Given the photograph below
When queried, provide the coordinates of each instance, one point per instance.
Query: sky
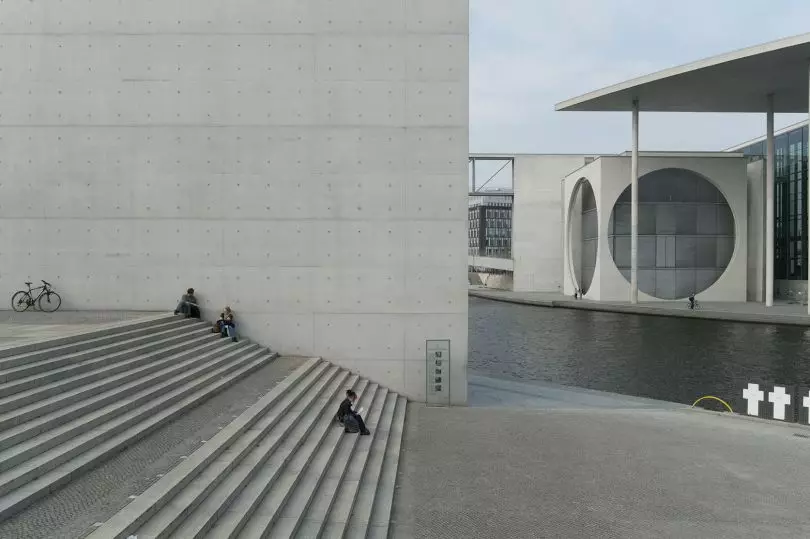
(527, 55)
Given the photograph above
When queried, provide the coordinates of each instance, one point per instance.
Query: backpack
(350, 424)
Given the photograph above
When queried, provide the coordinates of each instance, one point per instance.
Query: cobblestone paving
(472, 473)
(71, 511)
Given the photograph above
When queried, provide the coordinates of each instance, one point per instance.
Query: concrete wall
(756, 231)
(304, 161)
(609, 176)
(537, 228)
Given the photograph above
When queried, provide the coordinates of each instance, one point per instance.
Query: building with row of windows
(729, 225)
(790, 193)
(489, 230)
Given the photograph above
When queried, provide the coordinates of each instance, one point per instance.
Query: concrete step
(121, 349)
(80, 338)
(45, 472)
(237, 481)
(333, 507)
(33, 437)
(378, 492)
(72, 388)
(270, 409)
(260, 504)
(314, 495)
(283, 469)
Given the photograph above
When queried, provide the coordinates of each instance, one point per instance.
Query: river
(673, 359)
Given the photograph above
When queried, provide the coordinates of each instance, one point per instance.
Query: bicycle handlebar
(46, 283)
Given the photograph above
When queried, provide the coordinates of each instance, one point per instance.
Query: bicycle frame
(42, 290)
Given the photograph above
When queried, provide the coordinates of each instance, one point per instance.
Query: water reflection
(673, 359)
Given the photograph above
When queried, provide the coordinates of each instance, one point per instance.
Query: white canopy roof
(737, 81)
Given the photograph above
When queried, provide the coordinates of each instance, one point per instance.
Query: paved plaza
(584, 465)
(16, 328)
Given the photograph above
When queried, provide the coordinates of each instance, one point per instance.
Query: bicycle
(47, 300)
(694, 307)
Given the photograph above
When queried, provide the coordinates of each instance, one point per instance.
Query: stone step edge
(240, 513)
(383, 505)
(329, 383)
(349, 446)
(53, 457)
(144, 506)
(97, 330)
(106, 407)
(47, 363)
(53, 480)
(331, 518)
(102, 374)
(17, 361)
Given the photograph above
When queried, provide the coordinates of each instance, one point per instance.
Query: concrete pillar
(634, 209)
(770, 164)
(806, 208)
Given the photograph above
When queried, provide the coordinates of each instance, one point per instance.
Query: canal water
(673, 359)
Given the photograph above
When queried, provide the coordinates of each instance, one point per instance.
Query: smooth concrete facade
(304, 161)
(537, 227)
(609, 177)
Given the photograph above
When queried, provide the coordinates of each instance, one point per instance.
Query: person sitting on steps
(188, 305)
(226, 324)
(352, 421)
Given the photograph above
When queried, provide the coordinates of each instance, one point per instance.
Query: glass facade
(489, 226)
(590, 236)
(790, 194)
(685, 233)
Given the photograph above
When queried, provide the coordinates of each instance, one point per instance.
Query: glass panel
(686, 219)
(646, 219)
(621, 251)
(685, 251)
(665, 284)
(684, 283)
(589, 225)
(621, 222)
(725, 248)
(707, 219)
(661, 251)
(706, 252)
(646, 252)
(725, 221)
(665, 219)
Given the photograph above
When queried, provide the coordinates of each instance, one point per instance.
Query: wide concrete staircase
(283, 468)
(68, 404)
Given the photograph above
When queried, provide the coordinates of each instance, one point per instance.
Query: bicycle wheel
(49, 302)
(21, 300)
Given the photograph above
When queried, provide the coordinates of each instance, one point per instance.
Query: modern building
(790, 218)
(646, 226)
(305, 164)
(490, 224)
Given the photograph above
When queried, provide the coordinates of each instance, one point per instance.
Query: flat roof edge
(684, 68)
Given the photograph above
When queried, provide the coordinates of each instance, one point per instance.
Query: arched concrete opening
(583, 235)
(686, 233)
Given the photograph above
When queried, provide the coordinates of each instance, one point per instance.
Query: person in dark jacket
(188, 305)
(345, 411)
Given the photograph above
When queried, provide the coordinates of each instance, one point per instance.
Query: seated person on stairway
(188, 305)
(226, 324)
(352, 421)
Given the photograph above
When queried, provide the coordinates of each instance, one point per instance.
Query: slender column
(634, 209)
(770, 164)
(806, 244)
(472, 161)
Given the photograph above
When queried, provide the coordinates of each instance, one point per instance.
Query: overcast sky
(527, 55)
